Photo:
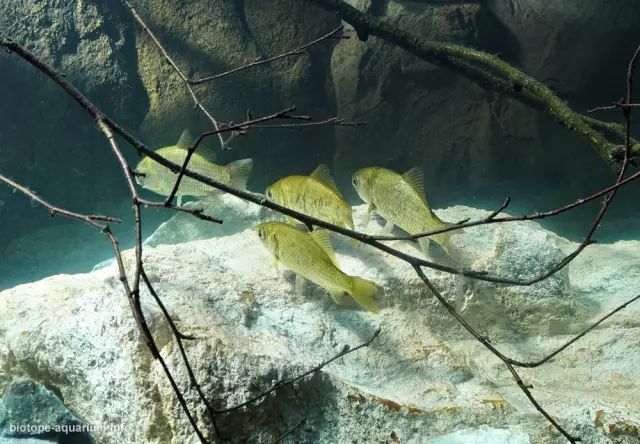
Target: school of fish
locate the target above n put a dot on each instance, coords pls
(398, 198)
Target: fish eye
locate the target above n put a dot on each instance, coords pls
(269, 194)
(355, 181)
(261, 234)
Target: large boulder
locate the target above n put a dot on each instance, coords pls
(422, 378)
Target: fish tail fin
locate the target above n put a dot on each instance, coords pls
(363, 292)
(239, 171)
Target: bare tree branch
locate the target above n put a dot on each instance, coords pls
(89, 219)
(294, 52)
(109, 127)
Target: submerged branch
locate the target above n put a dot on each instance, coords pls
(89, 219)
(293, 52)
(487, 70)
(444, 53)
(280, 384)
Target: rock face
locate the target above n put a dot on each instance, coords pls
(422, 379)
(418, 114)
(463, 136)
(414, 109)
(47, 141)
(569, 43)
(207, 38)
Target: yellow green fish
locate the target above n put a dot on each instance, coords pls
(161, 180)
(311, 257)
(315, 195)
(400, 199)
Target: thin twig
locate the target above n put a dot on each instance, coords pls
(576, 338)
(179, 338)
(345, 351)
(332, 121)
(196, 212)
(493, 215)
(89, 219)
(484, 341)
(293, 52)
(616, 105)
(290, 432)
(284, 114)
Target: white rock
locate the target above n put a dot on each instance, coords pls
(423, 378)
(237, 214)
(483, 435)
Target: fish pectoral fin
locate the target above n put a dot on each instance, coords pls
(367, 218)
(300, 284)
(275, 265)
(338, 297)
(321, 236)
(323, 175)
(386, 230)
(424, 243)
(239, 171)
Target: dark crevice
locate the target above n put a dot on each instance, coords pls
(242, 18)
(378, 8)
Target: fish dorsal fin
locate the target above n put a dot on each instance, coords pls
(186, 140)
(323, 175)
(415, 178)
(321, 237)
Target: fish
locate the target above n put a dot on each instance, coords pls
(315, 195)
(311, 257)
(401, 201)
(161, 180)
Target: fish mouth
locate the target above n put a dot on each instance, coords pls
(139, 176)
